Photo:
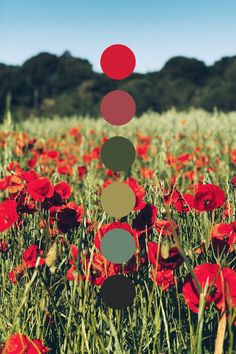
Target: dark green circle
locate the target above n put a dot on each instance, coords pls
(118, 246)
(118, 153)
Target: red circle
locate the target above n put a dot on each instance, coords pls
(118, 61)
(118, 107)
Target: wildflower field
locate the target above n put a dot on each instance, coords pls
(183, 223)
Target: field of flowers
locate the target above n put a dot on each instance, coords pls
(51, 225)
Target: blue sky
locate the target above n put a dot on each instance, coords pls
(155, 30)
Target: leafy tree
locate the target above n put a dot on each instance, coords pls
(47, 84)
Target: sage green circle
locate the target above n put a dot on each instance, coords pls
(118, 246)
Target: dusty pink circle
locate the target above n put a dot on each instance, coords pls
(118, 107)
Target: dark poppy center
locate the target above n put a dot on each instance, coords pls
(213, 291)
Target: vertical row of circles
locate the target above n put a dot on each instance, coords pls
(118, 154)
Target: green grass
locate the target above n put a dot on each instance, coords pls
(159, 321)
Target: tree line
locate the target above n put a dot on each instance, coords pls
(48, 84)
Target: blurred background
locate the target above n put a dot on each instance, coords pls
(50, 54)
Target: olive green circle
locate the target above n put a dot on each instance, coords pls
(118, 246)
(118, 153)
(118, 199)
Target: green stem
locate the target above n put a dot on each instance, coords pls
(25, 295)
(182, 253)
(200, 323)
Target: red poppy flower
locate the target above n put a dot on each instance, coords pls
(30, 256)
(89, 226)
(228, 210)
(233, 181)
(228, 300)
(101, 269)
(24, 203)
(111, 173)
(95, 153)
(146, 218)
(74, 254)
(74, 132)
(64, 170)
(184, 203)
(205, 273)
(70, 274)
(63, 189)
(32, 162)
(8, 214)
(143, 139)
(81, 171)
(184, 158)
(163, 278)
(106, 183)
(223, 291)
(15, 184)
(233, 156)
(142, 151)
(15, 274)
(147, 172)
(13, 165)
(223, 236)
(40, 188)
(171, 197)
(87, 159)
(234, 226)
(3, 183)
(209, 197)
(190, 175)
(69, 216)
(30, 175)
(3, 245)
(171, 160)
(164, 228)
(53, 154)
(134, 263)
(19, 343)
(202, 161)
(154, 255)
(139, 192)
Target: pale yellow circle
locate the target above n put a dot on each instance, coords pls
(118, 199)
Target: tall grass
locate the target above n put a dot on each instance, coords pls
(71, 317)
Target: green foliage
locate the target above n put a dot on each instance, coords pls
(47, 84)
